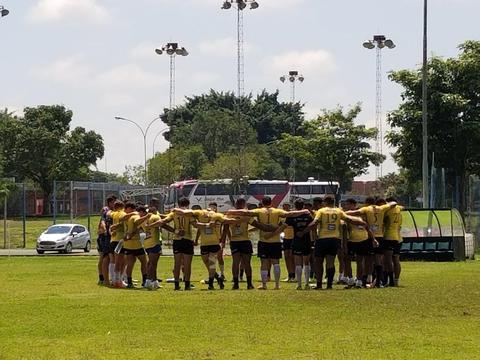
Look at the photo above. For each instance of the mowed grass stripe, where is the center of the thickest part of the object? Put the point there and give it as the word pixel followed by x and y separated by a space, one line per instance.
pixel 52 308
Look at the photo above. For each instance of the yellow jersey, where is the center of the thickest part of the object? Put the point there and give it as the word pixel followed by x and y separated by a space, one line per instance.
pixel 329 223
pixel 181 222
pixel 239 231
pixel 119 233
pixel 269 216
pixel 393 224
pixel 133 232
pixel 152 234
pixel 289 233
pixel 374 215
pixel 210 235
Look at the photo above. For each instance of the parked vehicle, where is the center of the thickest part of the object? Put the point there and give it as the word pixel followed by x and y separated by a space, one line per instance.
pixel 64 238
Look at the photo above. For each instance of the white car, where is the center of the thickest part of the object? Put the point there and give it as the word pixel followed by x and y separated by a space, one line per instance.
pixel 64 238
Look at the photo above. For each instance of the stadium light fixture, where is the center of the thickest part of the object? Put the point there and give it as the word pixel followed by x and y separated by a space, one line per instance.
pixel 226 5
pixel 172 50
pixel 3 11
pixel 368 44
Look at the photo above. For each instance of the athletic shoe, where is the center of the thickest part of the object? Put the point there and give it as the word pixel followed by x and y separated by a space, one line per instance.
pixel 220 283
pixel 177 288
pixel 299 287
pixel 276 288
pixel 172 280
pixel 396 282
pixel 147 284
pixel 192 286
pixel 210 287
pixel 250 287
pixel 307 287
pixel 188 288
pixel 286 279
pixel 235 287
pixel 358 284
pixel 262 287
pixel 223 278
pixel 203 281
pixel 130 286
pixel 100 283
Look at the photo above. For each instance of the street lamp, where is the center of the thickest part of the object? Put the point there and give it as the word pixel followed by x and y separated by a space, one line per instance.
pixel 172 50
pixel 3 11
pixel 292 77
pixel 379 42
pixel 144 134
pixel 155 139
pixel 240 5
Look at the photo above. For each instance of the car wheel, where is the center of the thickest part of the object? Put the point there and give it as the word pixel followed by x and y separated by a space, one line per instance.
pixel 68 248
pixel 40 251
pixel 88 247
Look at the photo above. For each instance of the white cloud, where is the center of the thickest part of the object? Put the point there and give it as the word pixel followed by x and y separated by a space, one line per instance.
pixel 225 47
pixel 310 63
pixel 129 76
pixel 57 10
pixel 70 70
pixel 144 51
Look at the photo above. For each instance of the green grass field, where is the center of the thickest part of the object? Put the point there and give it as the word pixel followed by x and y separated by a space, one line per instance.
pixel 52 308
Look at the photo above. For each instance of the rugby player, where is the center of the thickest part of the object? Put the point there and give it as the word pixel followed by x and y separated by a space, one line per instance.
pixel 287 249
pixel 182 243
pixel 105 261
pixel 301 245
pixel 374 214
pixel 269 246
pixel 327 221
pixel 118 233
pixel 132 246
pixel 153 246
pixel 359 245
pixel 392 243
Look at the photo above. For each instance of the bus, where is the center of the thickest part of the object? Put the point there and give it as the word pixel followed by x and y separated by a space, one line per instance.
pixel 224 192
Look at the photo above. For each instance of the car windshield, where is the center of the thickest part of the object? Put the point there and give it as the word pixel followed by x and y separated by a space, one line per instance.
pixel 58 230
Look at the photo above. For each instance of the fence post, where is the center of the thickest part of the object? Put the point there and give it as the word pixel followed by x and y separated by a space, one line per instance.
pixel 71 201
pixel 89 205
pixel 54 202
pixel 5 222
pixel 24 216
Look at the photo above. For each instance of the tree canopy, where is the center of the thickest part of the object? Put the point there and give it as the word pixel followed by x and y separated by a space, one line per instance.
pixel 453 113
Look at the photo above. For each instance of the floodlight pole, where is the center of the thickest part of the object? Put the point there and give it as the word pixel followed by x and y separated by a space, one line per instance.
pixel 293 76
pixel 172 50
pixel 378 43
pixel 425 188
pixel 240 6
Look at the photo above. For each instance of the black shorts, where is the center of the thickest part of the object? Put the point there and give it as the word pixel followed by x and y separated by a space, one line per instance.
pixel 359 248
pixel 112 246
pixel 241 247
pixel 381 244
pixel 287 244
pixel 103 244
pixel 209 249
pixel 301 247
pixel 134 252
pixel 157 249
pixel 183 246
pixel 269 250
pixel 324 247
pixel 389 244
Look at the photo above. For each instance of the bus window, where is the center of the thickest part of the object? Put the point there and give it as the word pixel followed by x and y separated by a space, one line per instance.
pixel 213 189
pixel 267 189
pixel 184 191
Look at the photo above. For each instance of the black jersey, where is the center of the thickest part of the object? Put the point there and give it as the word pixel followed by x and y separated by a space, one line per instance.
pixel 300 223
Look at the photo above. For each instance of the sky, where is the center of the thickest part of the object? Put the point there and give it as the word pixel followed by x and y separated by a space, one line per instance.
pixel 97 57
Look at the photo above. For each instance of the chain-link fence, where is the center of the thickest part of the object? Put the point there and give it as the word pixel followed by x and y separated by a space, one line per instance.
pixel 27 211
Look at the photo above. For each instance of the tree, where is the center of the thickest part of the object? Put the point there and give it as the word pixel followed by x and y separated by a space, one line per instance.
pixel 176 163
pixel 333 147
pixel 453 125
pixel 255 163
pixel 40 146
pixel 401 187
pixel 134 175
pixel 233 121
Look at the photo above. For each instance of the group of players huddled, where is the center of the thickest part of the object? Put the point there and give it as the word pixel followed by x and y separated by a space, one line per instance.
pixel 309 236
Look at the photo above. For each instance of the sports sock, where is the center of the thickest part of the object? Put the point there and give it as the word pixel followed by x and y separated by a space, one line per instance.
pixel 216 276
pixel 292 275
pixel 330 275
pixel 306 270
pixel 111 270
pixel 210 282
pixel 391 279
pixel 340 277
pixel 187 284
pixel 144 278
pixel 129 281
pixel 379 274
pixel 264 276
pixel 100 277
pixel 235 281
pixel 177 285
pixel 222 269
pixel 298 273
pixel 249 281
pixel 276 274
pixel 242 271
